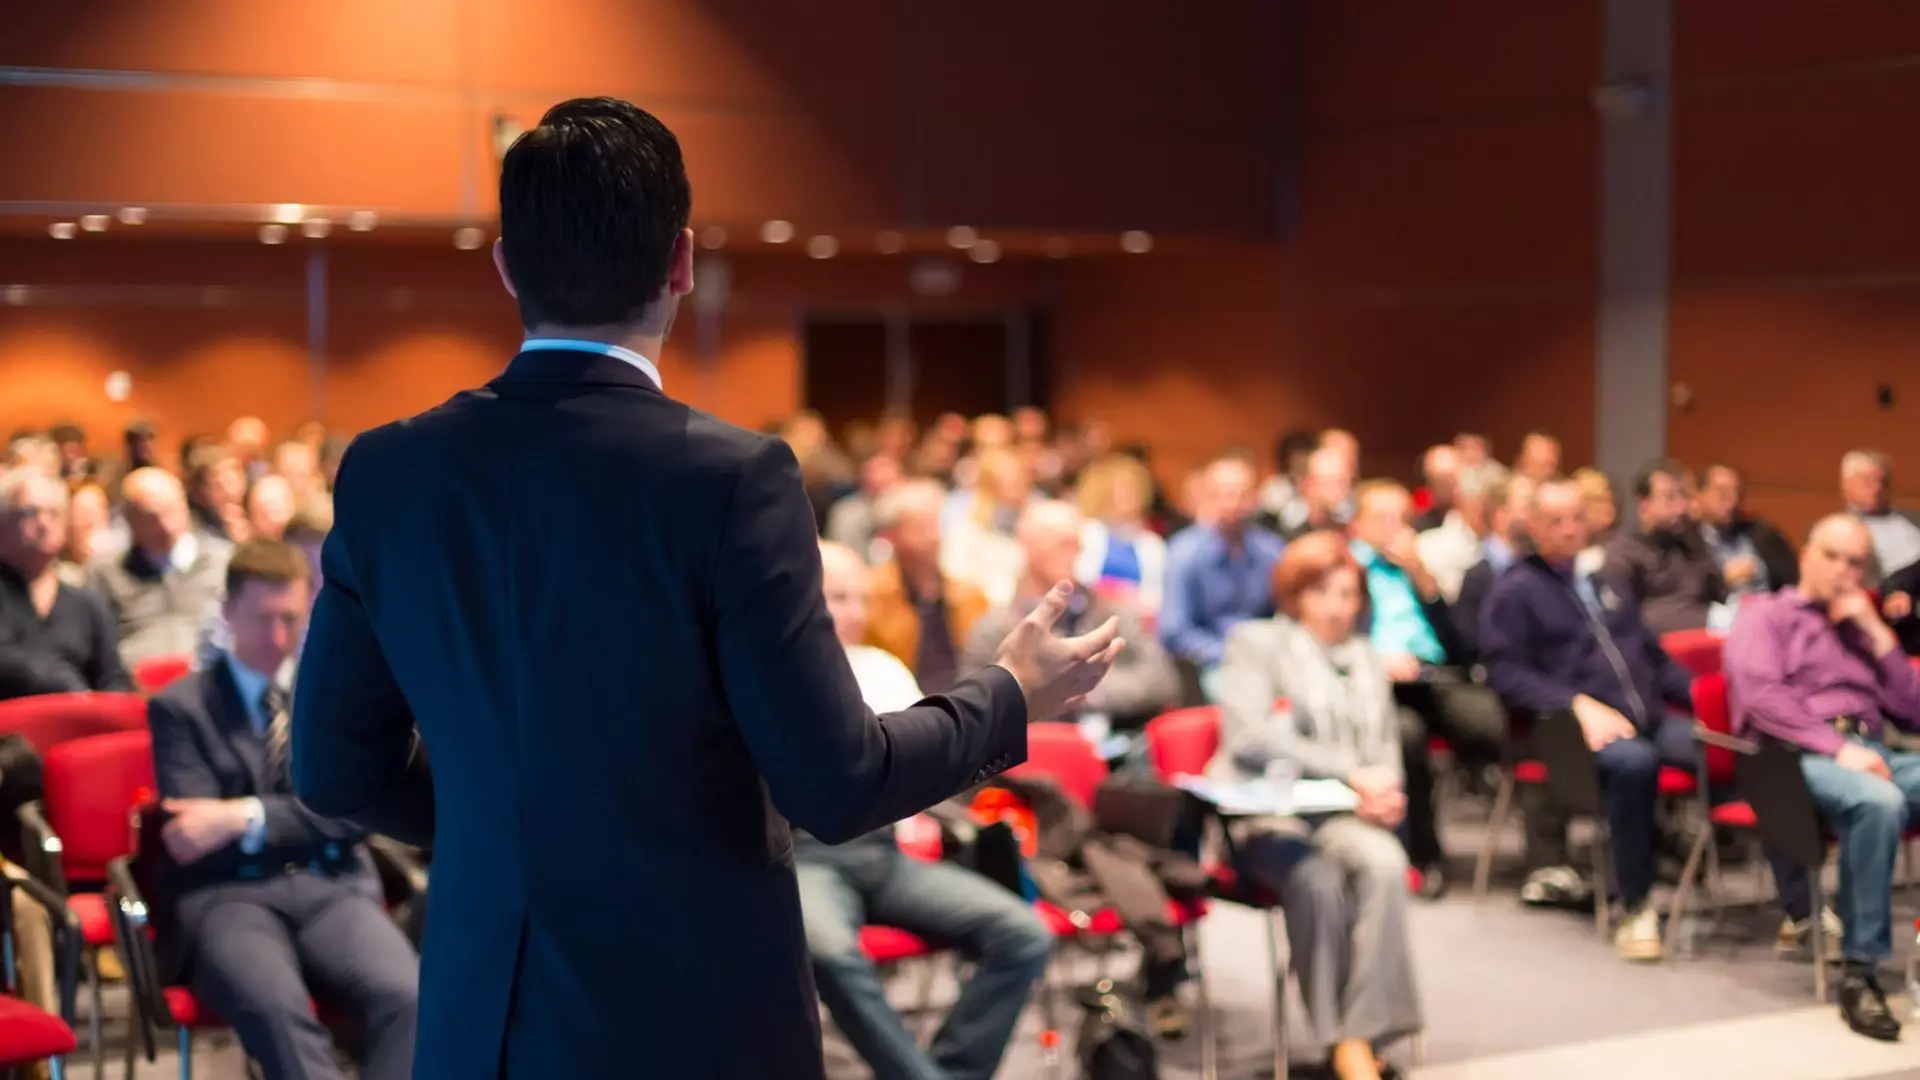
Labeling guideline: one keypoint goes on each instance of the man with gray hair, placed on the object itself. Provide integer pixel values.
(1866, 486)
(167, 585)
(53, 638)
(1453, 547)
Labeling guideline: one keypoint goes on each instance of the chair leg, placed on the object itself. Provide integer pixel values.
(1049, 1015)
(1819, 937)
(186, 1053)
(1682, 893)
(1209, 1047)
(1279, 971)
(94, 1041)
(1496, 821)
(1602, 880)
(57, 1068)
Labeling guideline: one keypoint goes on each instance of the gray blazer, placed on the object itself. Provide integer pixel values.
(1339, 723)
(158, 610)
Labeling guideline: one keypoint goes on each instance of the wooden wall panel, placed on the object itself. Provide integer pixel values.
(178, 146)
(371, 41)
(1719, 39)
(1368, 66)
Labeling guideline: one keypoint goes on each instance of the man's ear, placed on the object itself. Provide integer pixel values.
(500, 264)
(680, 273)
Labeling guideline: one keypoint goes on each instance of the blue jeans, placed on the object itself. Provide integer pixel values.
(1630, 784)
(870, 881)
(1870, 815)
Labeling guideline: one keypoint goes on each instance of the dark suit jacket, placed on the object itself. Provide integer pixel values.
(1474, 590)
(603, 612)
(204, 747)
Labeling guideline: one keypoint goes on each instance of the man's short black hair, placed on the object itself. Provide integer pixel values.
(1291, 443)
(591, 201)
(1667, 467)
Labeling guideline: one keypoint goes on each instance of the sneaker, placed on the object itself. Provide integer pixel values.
(1797, 937)
(1638, 935)
(1555, 886)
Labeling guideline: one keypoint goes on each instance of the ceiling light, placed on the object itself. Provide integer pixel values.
(713, 238)
(62, 230)
(890, 243)
(777, 232)
(469, 238)
(94, 223)
(363, 221)
(273, 234)
(985, 251)
(291, 213)
(1136, 242)
(133, 215)
(316, 228)
(1058, 247)
(963, 236)
(17, 295)
(823, 247)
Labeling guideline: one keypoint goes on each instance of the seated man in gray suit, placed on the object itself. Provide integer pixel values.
(275, 905)
(162, 590)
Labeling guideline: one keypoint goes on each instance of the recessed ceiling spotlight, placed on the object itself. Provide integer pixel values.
(776, 231)
(469, 238)
(290, 213)
(823, 247)
(1058, 247)
(273, 234)
(985, 251)
(963, 236)
(890, 242)
(713, 238)
(62, 230)
(363, 221)
(1136, 242)
(94, 223)
(133, 215)
(316, 228)
(17, 295)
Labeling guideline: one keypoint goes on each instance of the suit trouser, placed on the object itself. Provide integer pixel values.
(1473, 722)
(263, 951)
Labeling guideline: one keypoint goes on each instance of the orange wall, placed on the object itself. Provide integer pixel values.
(1796, 248)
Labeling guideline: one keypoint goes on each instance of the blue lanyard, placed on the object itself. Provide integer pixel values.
(618, 352)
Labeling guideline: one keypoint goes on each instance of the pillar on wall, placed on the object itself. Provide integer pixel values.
(1633, 102)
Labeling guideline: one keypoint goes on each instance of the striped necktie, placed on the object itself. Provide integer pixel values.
(273, 706)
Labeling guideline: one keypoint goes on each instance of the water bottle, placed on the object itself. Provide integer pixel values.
(1282, 773)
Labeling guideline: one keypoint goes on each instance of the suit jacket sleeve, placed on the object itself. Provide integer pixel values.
(182, 771)
(355, 754)
(832, 767)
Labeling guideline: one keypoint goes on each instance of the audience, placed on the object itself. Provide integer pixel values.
(918, 613)
(1508, 498)
(1816, 669)
(1119, 554)
(1603, 509)
(217, 492)
(1142, 682)
(1666, 567)
(1866, 486)
(869, 880)
(977, 546)
(1217, 569)
(165, 587)
(1571, 647)
(1341, 877)
(1753, 556)
(270, 507)
(851, 520)
(275, 906)
(89, 535)
(54, 638)
(1455, 543)
(247, 438)
(1539, 456)
(1440, 468)
(1326, 494)
(1282, 507)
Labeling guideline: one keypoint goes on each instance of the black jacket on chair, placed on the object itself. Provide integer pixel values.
(601, 610)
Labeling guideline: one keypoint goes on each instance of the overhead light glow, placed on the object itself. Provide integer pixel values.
(133, 215)
(713, 238)
(890, 243)
(1136, 242)
(469, 238)
(985, 251)
(291, 213)
(94, 223)
(62, 230)
(963, 236)
(823, 247)
(777, 232)
(363, 221)
(273, 234)
(316, 228)
(1058, 247)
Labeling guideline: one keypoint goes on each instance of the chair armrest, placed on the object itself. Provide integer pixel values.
(1703, 733)
(41, 849)
(64, 926)
(127, 911)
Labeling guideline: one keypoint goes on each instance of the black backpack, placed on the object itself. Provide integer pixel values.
(1113, 1043)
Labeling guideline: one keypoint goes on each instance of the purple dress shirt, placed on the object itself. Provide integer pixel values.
(1790, 670)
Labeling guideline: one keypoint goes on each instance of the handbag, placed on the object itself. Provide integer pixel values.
(1113, 1043)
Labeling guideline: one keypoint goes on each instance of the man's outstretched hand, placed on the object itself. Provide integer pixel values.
(1056, 673)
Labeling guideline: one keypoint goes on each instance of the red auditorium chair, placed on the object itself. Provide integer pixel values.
(155, 673)
(28, 1033)
(48, 719)
(1696, 650)
(1060, 752)
(81, 824)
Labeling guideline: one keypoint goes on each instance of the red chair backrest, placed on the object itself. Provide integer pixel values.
(50, 719)
(1060, 751)
(1710, 708)
(153, 674)
(1699, 651)
(92, 786)
(1181, 742)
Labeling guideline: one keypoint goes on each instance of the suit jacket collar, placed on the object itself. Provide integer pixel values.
(573, 367)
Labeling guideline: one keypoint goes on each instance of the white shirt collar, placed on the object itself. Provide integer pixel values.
(618, 352)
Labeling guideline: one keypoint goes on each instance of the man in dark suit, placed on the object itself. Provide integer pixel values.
(602, 611)
(274, 906)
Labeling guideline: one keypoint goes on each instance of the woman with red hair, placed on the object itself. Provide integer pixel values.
(1341, 878)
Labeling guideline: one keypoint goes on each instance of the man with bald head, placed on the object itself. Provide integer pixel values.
(1142, 682)
(270, 506)
(1218, 569)
(53, 638)
(167, 585)
(869, 881)
(247, 438)
(1813, 666)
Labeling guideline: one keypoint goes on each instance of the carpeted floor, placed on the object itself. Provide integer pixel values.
(1510, 994)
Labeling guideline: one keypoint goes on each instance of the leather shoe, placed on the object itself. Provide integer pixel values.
(1864, 1005)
